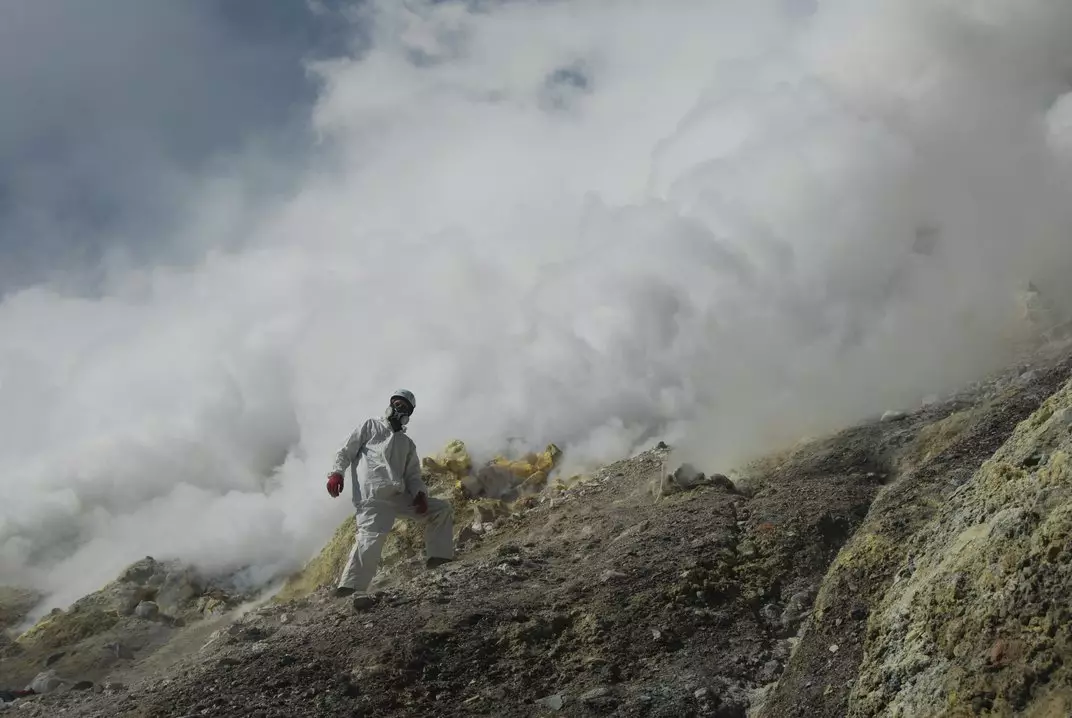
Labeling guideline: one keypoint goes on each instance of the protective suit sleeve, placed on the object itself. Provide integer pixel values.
(412, 473)
(350, 450)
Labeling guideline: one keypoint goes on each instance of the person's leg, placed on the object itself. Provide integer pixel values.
(374, 522)
(438, 531)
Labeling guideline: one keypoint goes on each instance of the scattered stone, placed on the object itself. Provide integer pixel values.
(686, 476)
(733, 702)
(722, 481)
(508, 549)
(179, 587)
(554, 702)
(772, 614)
(139, 571)
(46, 682)
(595, 695)
(632, 531)
(253, 633)
(795, 610)
(212, 606)
(148, 610)
(1035, 459)
(363, 602)
(468, 534)
(120, 651)
(769, 672)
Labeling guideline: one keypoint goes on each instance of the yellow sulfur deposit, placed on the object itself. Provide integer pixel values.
(453, 460)
(533, 463)
(63, 628)
(448, 470)
(454, 467)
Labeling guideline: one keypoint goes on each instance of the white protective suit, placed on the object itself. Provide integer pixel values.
(391, 481)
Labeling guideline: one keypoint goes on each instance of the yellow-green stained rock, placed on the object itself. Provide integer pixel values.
(979, 619)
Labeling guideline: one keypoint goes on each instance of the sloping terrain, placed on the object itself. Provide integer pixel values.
(892, 569)
(131, 618)
(978, 618)
(821, 679)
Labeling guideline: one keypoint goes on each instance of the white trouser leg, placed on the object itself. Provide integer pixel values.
(438, 526)
(374, 522)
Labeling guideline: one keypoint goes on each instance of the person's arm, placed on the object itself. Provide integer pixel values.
(346, 457)
(411, 476)
(349, 451)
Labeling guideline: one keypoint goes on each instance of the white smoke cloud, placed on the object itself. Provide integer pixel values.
(598, 224)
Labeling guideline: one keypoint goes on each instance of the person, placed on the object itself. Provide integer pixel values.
(391, 487)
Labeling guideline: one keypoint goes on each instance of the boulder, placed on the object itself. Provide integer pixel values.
(687, 477)
(179, 590)
(47, 682)
(147, 610)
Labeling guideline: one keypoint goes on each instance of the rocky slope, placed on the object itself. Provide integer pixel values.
(917, 565)
(100, 634)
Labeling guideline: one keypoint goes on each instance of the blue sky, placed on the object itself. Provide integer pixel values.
(110, 106)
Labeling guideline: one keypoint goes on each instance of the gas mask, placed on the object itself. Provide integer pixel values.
(394, 416)
(399, 409)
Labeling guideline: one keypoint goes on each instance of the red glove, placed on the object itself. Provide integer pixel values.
(421, 502)
(335, 484)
